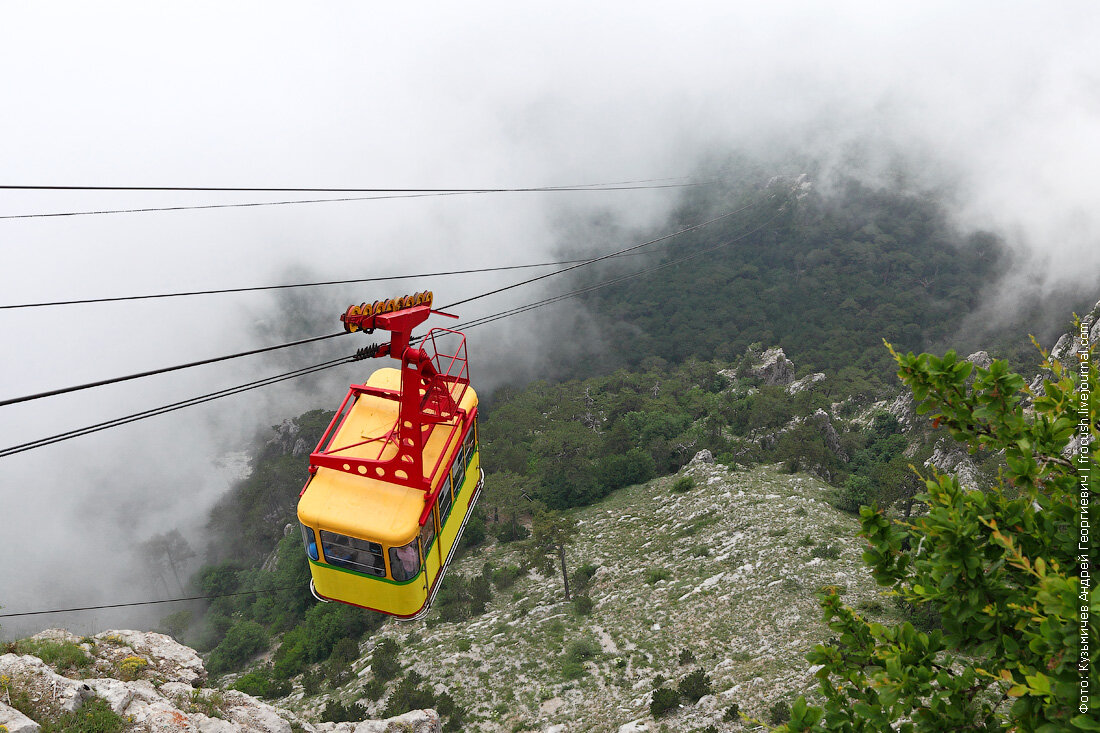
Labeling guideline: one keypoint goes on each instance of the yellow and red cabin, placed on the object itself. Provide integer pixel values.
(396, 474)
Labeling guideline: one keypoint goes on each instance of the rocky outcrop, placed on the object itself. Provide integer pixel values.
(156, 684)
(805, 383)
(824, 424)
(951, 457)
(288, 440)
(774, 368)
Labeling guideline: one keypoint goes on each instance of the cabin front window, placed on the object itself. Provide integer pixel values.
(352, 553)
(310, 542)
(405, 561)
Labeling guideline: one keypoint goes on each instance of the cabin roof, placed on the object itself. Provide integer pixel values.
(367, 507)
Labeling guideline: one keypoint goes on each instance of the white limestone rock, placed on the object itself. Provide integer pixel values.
(167, 658)
(774, 368)
(14, 721)
(31, 672)
(636, 726)
(414, 721)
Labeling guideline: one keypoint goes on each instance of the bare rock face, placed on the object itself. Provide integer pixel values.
(823, 422)
(950, 457)
(774, 368)
(156, 684)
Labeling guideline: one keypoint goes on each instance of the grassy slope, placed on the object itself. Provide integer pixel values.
(747, 611)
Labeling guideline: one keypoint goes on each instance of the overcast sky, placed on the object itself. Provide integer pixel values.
(998, 102)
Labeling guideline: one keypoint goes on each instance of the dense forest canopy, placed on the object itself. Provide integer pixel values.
(825, 275)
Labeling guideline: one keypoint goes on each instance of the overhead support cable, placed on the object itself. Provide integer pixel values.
(164, 370)
(150, 603)
(247, 289)
(314, 189)
(50, 440)
(292, 202)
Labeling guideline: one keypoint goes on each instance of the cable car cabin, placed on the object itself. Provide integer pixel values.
(394, 478)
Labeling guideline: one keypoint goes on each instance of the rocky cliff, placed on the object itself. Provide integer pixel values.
(142, 681)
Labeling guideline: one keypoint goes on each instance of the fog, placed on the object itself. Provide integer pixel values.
(993, 106)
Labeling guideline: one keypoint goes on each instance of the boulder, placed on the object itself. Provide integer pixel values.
(703, 456)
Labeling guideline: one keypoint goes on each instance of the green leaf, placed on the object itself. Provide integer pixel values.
(1085, 722)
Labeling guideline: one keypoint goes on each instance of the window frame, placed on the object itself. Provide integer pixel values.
(355, 566)
(445, 491)
(395, 561)
(307, 530)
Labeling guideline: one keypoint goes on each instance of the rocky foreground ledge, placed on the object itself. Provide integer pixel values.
(153, 683)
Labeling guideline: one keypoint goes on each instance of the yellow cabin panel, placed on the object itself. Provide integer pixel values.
(371, 509)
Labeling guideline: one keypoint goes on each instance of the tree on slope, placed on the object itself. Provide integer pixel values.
(551, 531)
(1000, 566)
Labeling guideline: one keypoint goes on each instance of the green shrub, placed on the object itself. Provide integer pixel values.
(408, 695)
(337, 712)
(779, 713)
(373, 689)
(261, 683)
(383, 660)
(664, 700)
(686, 656)
(683, 484)
(583, 576)
(583, 648)
(572, 669)
(243, 641)
(696, 685)
(826, 552)
(505, 577)
(481, 592)
(463, 644)
(733, 712)
(582, 605)
(652, 575)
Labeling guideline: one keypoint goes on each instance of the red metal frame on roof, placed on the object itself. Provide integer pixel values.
(433, 383)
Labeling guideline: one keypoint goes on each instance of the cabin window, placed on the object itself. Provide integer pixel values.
(427, 534)
(310, 542)
(471, 440)
(405, 561)
(458, 472)
(444, 500)
(362, 556)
